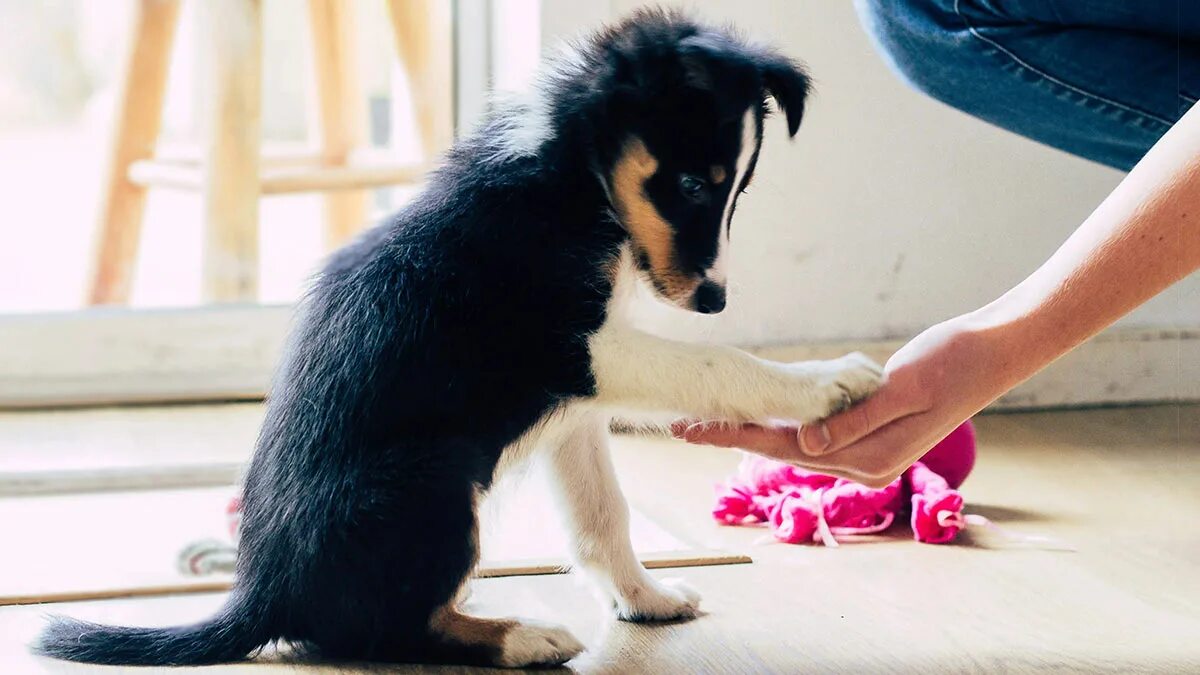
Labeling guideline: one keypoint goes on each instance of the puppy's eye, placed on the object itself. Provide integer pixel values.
(692, 187)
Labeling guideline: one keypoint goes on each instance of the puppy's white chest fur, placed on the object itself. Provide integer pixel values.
(573, 418)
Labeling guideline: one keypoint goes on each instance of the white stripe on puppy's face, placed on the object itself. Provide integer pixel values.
(718, 272)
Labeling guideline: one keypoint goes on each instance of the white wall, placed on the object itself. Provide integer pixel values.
(889, 211)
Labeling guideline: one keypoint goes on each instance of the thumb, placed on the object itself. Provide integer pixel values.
(880, 457)
(853, 424)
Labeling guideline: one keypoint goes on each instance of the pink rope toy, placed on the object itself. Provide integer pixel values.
(803, 506)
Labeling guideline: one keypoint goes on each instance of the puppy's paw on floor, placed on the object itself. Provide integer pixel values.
(531, 643)
(659, 601)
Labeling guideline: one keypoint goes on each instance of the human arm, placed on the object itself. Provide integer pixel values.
(1144, 237)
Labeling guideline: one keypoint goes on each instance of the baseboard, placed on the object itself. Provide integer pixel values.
(229, 353)
(100, 357)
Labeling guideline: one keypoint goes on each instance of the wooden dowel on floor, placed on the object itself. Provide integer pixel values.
(486, 570)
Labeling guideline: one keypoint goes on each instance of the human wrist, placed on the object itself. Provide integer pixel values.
(1013, 335)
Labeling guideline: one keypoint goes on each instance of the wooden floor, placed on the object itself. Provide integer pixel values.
(1121, 486)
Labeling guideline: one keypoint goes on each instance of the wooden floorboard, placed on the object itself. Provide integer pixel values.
(1121, 486)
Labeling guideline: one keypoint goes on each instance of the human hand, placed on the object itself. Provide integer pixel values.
(931, 385)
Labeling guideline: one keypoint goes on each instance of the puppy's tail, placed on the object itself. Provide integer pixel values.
(231, 635)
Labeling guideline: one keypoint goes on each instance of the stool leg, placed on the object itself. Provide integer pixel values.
(424, 40)
(341, 113)
(232, 88)
(138, 120)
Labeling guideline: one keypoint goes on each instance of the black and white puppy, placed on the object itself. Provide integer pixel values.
(484, 323)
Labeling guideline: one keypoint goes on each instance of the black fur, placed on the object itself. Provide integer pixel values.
(437, 339)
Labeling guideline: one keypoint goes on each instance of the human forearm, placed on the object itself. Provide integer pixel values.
(1143, 238)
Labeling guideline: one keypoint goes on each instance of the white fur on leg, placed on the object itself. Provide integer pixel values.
(586, 487)
(532, 643)
(659, 601)
(639, 372)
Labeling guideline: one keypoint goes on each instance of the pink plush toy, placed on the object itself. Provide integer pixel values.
(953, 457)
(803, 506)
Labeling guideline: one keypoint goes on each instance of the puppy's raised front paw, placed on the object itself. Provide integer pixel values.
(849, 380)
(659, 601)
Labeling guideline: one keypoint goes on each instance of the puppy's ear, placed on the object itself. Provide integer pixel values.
(788, 83)
(698, 54)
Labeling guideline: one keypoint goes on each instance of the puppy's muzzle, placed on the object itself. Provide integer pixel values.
(709, 298)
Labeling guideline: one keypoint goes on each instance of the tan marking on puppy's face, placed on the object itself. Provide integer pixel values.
(653, 237)
(718, 174)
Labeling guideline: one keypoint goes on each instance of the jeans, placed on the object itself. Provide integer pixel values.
(1102, 79)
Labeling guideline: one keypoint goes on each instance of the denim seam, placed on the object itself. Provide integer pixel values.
(1050, 78)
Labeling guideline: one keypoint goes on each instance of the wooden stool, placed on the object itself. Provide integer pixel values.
(229, 170)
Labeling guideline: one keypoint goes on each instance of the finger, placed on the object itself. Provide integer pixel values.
(775, 442)
(855, 423)
(881, 456)
(772, 441)
(781, 443)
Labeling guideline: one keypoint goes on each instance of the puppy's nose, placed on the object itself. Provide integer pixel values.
(710, 298)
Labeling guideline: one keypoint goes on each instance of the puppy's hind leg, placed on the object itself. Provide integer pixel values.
(389, 589)
(508, 643)
(455, 637)
(586, 487)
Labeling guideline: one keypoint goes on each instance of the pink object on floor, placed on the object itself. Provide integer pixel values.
(936, 507)
(803, 506)
(954, 456)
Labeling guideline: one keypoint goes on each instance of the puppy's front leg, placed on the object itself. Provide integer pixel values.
(586, 487)
(637, 370)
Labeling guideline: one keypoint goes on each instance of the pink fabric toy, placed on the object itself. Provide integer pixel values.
(954, 456)
(936, 507)
(803, 506)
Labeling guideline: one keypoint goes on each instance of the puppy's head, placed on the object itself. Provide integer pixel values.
(686, 106)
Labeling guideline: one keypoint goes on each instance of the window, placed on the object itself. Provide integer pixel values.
(355, 95)
(399, 92)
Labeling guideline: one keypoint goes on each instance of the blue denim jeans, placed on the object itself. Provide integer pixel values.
(1102, 79)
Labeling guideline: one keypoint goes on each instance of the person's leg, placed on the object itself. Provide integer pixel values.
(1102, 79)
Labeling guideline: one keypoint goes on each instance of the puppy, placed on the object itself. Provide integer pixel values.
(483, 323)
